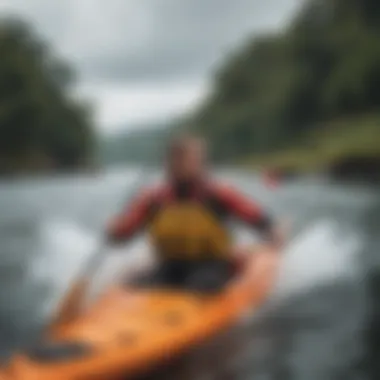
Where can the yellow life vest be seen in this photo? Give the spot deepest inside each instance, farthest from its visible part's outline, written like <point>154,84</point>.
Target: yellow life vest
<point>187,230</point>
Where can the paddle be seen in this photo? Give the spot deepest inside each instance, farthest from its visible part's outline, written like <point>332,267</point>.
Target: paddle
<point>71,303</point>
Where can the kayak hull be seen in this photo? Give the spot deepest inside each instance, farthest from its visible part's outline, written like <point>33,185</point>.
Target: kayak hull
<point>127,331</point>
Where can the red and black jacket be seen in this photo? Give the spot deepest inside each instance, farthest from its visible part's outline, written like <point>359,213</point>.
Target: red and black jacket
<point>222,201</point>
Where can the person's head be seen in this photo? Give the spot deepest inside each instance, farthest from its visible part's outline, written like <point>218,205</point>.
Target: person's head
<point>186,157</point>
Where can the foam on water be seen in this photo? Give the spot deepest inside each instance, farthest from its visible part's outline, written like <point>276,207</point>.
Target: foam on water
<point>317,256</point>
<point>67,248</point>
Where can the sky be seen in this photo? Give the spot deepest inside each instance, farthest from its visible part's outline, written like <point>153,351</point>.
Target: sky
<point>140,61</point>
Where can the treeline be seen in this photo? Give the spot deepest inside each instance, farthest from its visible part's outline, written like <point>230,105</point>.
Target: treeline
<point>144,144</point>
<point>41,127</point>
<point>281,86</point>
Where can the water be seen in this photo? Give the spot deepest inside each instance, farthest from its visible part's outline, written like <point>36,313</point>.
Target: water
<point>311,329</point>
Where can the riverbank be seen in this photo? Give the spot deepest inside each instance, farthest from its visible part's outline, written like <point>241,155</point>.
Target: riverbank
<point>342,149</point>
<point>37,165</point>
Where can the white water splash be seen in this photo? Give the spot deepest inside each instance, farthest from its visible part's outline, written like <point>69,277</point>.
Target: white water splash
<point>318,255</point>
<point>67,248</point>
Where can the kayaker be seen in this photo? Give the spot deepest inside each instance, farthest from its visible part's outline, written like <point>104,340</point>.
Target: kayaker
<point>186,218</point>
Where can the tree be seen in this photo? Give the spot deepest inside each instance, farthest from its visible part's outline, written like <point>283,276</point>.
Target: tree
<point>325,65</point>
<point>40,124</point>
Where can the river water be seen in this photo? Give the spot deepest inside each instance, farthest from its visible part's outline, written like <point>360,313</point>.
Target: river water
<point>312,327</point>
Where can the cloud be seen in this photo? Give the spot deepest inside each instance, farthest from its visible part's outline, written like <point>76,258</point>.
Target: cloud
<point>149,40</point>
<point>118,107</point>
<point>140,58</point>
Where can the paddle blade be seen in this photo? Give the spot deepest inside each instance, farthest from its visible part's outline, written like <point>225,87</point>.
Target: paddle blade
<point>71,305</point>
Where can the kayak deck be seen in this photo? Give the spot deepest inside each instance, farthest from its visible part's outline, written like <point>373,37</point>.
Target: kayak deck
<point>129,330</point>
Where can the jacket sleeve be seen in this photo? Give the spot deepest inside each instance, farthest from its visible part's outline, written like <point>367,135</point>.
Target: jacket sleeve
<point>132,219</point>
<point>244,209</point>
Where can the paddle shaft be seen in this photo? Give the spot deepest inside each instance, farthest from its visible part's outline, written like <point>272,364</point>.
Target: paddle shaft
<point>97,257</point>
<point>69,308</point>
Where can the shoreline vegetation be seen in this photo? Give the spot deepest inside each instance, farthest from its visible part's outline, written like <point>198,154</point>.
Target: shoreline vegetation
<point>305,99</point>
<point>43,129</point>
<point>351,146</point>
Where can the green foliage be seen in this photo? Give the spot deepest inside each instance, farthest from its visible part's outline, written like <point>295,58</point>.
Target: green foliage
<point>283,86</point>
<point>322,147</point>
<point>41,127</point>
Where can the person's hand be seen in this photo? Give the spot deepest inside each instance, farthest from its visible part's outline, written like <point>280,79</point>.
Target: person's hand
<point>115,240</point>
<point>113,237</point>
<point>110,239</point>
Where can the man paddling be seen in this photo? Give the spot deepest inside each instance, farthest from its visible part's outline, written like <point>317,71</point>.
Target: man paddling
<point>186,218</point>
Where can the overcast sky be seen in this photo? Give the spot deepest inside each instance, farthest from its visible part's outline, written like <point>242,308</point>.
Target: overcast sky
<point>143,60</point>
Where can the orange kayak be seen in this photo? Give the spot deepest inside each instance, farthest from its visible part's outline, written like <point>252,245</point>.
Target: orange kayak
<point>129,331</point>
